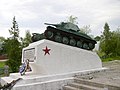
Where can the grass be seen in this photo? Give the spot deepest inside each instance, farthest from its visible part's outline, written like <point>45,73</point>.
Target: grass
<point>105,58</point>
<point>110,59</point>
<point>2,64</point>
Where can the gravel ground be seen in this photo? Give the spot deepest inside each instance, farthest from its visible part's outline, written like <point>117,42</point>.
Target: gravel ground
<point>110,76</point>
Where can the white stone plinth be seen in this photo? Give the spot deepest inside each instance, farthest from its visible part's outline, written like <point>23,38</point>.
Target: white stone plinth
<point>62,58</point>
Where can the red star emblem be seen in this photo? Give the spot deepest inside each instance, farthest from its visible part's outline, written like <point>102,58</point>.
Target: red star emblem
<point>46,50</point>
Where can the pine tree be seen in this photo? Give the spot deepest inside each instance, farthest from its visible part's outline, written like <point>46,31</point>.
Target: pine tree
<point>14,29</point>
<point>106,40</point>
<point>106,32</point>
<point>13,48</point>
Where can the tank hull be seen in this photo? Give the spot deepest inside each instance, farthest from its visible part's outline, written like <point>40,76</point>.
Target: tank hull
<point>70,37</point>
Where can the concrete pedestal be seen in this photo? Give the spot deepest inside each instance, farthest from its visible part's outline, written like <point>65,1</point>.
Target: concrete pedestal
<point>54,65</point>
<point>56,58</point>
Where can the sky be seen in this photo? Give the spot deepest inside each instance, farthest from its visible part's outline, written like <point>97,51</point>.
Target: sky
<point>32,14</point>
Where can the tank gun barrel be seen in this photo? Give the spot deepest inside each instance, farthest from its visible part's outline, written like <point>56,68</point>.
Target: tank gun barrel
<point>56,25</point>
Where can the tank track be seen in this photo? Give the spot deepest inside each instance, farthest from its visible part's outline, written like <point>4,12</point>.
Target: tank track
<point>69,38</point>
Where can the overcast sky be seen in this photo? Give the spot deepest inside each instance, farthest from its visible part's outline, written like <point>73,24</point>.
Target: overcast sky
<point>32,14</point>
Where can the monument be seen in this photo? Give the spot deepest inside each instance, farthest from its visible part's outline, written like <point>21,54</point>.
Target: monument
<point>56,59</point>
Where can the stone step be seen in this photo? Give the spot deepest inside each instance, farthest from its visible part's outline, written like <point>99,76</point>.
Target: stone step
<point>89,82</point>
<point>5,80</point>
<point>15,75</point>
<point>70,88</point>
<point>84,87</point>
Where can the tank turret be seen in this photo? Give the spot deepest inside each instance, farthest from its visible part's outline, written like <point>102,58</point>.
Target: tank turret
<point>65,26</point>
<point>66,33</point>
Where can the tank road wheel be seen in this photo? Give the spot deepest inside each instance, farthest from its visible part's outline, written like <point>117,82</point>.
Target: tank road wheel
<point>49,34</point>
<point>91,46</point>
<point>79,44</point>
<point>72,42</point>
<point>65,40</point>
<point>85,46</point>
<point>58,38</point>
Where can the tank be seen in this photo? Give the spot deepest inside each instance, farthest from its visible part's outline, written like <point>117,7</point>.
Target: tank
<point>66,33</point>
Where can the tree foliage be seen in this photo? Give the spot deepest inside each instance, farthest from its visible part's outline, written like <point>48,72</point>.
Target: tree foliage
<point>106,39</point>
<point>85,29</point>
<point>2,39</point>
<point>115,43</point>
<point>110,42</point>
<point>12,47</point>
<point>106,33</point>
<point>27,39</point>
<point>13,50</point>
<point>72,19</point>
<point>14,31</point>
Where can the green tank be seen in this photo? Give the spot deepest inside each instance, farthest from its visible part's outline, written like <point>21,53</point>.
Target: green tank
<point>66,33</point>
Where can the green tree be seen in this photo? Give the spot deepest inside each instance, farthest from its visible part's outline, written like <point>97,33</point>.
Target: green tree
<point>110,42</point>
<point>115,42</point>
<point>72,19</point>
<point>85,29</point>
<point>27,40</point>
<point>106,40</point>
<point>2,39</point>
<point>106,33</point>
<point>14,31</point>
<point>13,49</point>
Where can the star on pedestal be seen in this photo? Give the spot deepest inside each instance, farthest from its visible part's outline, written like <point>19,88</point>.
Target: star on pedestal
<point>46,50</point>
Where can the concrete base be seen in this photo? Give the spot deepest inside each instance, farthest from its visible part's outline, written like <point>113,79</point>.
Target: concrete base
<point>54,65</point>
<point>59,58</point>
<point>32,81</point>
